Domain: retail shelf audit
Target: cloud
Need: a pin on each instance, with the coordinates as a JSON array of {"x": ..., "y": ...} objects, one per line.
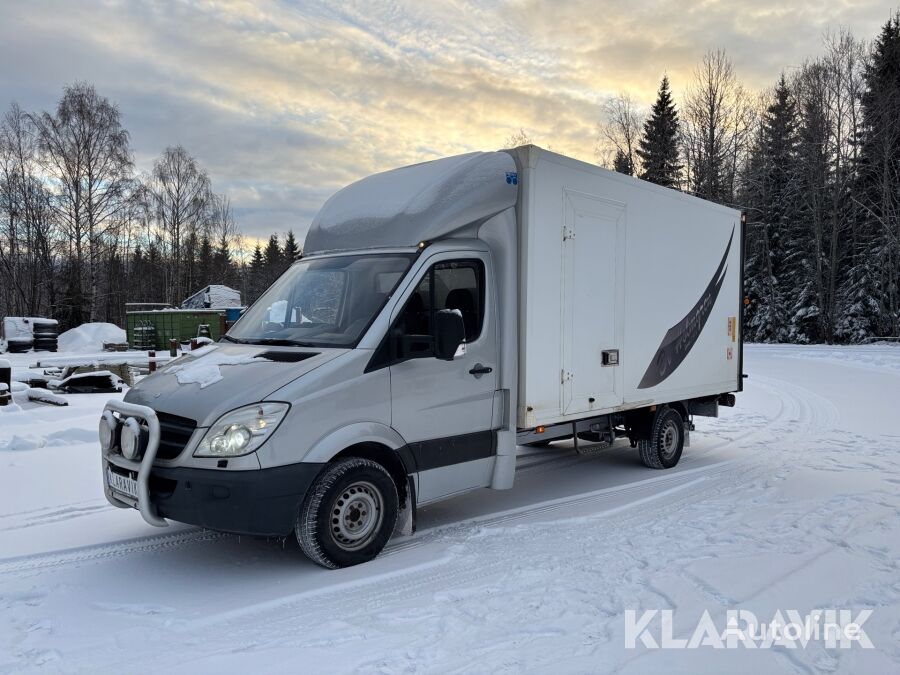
[{"x": 284, "y": 103}]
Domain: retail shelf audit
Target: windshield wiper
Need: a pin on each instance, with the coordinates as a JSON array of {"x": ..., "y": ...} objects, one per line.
[
  {"x": 233, "y": 339},
  {"x": 278, "y": 342}
]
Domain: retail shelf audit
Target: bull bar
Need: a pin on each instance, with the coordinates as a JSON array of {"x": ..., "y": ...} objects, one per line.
[{"x": 142, "y": 467}]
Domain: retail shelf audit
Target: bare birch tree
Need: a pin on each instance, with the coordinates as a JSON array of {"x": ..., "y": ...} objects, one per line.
[
  {"x": 718, "y": 119},
  {"x": 619, "y": 132},
  {"x": 84, "y": 149},
  {"x": 181, "y": 195}
]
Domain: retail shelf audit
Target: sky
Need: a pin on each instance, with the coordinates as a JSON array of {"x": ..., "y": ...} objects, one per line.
[{"x": 286, "y": 102}]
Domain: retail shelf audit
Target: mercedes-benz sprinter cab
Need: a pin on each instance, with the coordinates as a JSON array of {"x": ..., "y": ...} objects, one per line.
[{"x": 381, "y": 372}]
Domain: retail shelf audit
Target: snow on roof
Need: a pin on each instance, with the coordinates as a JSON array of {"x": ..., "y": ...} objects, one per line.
[
  {"x": 214, "y": 296},
  {"x": 15, "y": 327},
  {"x": 422, "y": 202}
]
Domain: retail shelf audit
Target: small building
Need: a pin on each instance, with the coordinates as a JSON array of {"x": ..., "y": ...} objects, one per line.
[{"x": 214, "y": 296}]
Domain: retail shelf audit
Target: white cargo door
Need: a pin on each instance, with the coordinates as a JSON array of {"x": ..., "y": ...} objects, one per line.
[{"x": 592, "y": 298}]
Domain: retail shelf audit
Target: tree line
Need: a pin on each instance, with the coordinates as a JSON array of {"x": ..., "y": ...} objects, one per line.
[
  {"x": 82, "y": 233},
  {"x": 814, "y": 163}
]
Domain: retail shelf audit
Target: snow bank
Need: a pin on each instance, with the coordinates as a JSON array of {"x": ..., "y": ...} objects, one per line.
[
  {"x": 89, "y": 337},
  {"x": 56, "y": 439}
]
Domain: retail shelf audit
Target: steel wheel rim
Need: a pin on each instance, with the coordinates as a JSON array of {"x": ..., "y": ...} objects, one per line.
[
  {"x": 356, "y": 516},
  {"x": 668, "y": 439}
]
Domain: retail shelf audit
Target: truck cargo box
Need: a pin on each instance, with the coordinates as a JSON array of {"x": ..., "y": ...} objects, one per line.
[{"x": 629, "y": 293}]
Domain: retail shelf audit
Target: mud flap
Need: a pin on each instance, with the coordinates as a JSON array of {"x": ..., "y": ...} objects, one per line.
[{"x": 406, "y": 519}]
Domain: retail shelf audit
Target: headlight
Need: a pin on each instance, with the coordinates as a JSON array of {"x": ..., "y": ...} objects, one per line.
[
  {"x": 132, "y": 439},
  {"x": 241, "y": 431},
  {"x": 109, "y": 430}
]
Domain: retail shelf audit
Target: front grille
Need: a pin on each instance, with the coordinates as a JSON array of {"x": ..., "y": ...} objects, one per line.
[{"x": 174, "y": 434}]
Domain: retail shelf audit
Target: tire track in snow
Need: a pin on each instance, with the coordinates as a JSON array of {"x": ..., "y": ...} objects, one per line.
[
  {"x": 637, "y": 490},
  {"x": 171, "y": 541},
  {"x": 104, "y": 552},
  {"x": 691, "y": 487},
  {"x": 52, "y": 515},
  {"x": 370, "y": 595}
]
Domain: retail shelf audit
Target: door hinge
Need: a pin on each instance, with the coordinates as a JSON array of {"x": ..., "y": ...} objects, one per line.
[
  {"x": 568, "y": 233},
  {"x": 565, "y": 376}
]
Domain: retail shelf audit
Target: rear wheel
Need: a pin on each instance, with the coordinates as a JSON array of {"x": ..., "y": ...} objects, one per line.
[
  {"x": 663, "y": 449},
  {"x": 349, "y": 513}
]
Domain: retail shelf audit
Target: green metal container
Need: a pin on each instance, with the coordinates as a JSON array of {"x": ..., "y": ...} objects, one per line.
[{"x": 154, "y": 329}]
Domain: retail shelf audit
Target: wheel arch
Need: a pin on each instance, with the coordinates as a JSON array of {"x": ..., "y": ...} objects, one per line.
[
  {"x": 640, "y": 421},
  {"x": 368, "y": 440},
  {"x": 681, "y": 408},
  {"x": 388, "y": 458},
  {"x": 330, "y": 445}
]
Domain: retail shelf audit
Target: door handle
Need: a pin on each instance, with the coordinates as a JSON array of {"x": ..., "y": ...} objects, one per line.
[{"x": 480, "y": 370}]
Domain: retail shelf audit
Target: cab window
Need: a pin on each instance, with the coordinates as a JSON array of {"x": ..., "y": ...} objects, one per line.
[{"x": 456, "y": 285}]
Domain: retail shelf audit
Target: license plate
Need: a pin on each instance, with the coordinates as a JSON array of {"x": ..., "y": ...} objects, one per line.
[{"x": 122, "y": 484}]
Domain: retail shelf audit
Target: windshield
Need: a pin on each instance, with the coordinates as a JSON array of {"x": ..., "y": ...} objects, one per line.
[{"x": 326, "y": 302}]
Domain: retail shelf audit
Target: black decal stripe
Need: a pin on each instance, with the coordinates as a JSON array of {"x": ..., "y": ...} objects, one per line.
[
  {"x": 680, "y": 338},
  {"x": 438, "y": 452}
]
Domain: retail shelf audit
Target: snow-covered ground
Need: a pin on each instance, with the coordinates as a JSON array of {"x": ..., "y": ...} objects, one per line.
[{"x": 790, "y": 501}]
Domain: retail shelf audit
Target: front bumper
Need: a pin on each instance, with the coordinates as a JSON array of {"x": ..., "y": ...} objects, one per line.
[{"x": 262, "y": 502}]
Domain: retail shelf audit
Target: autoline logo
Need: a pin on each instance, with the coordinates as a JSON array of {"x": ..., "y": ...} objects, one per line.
[{"x": 835, "y": 629}]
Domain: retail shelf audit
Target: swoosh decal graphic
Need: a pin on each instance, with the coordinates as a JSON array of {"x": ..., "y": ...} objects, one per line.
[{"x": 680, "y": 338}]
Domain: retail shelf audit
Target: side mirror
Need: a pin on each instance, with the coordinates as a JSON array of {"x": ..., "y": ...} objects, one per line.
[
  {"x": 449, "y": 333},
  {"x": 413, "y": 346}
]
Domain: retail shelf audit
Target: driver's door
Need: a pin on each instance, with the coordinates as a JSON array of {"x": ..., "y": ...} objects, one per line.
[{"x": 443, "y": 409}]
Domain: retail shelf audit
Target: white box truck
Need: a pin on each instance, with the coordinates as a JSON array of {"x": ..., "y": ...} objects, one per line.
[{"x": 441, "y": 315}]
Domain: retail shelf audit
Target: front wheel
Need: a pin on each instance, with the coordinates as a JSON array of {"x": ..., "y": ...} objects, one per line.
[
  {"x": 663, "y": 449},
  {"x": 349, "y": 513}
]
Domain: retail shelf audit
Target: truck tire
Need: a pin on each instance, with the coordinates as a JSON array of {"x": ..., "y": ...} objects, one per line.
[
  {"x": 349, "y": 513},
  {"x": 663, "y": 449}
]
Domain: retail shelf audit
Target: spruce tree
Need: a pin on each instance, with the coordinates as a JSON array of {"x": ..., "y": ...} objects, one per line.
[
  {"x": 805, "y": 238},
  {"x": 222, "y": 261},
  {"x": 205, "y": 274},
  {"x": 877, "y": 254},
  {"x": 273, "y": 260},
  {"x": 257, "y": 274},
  {"x": 138, "y": 277},
  {"x": 658, "y": 146},
  {"x": 291, "y": 249},
  {"x": 771, "y": 198},
  {"x": 622, "y": 163},
  {"x": 858, "y": 308},
  {"x": 155, "y": 280}
]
